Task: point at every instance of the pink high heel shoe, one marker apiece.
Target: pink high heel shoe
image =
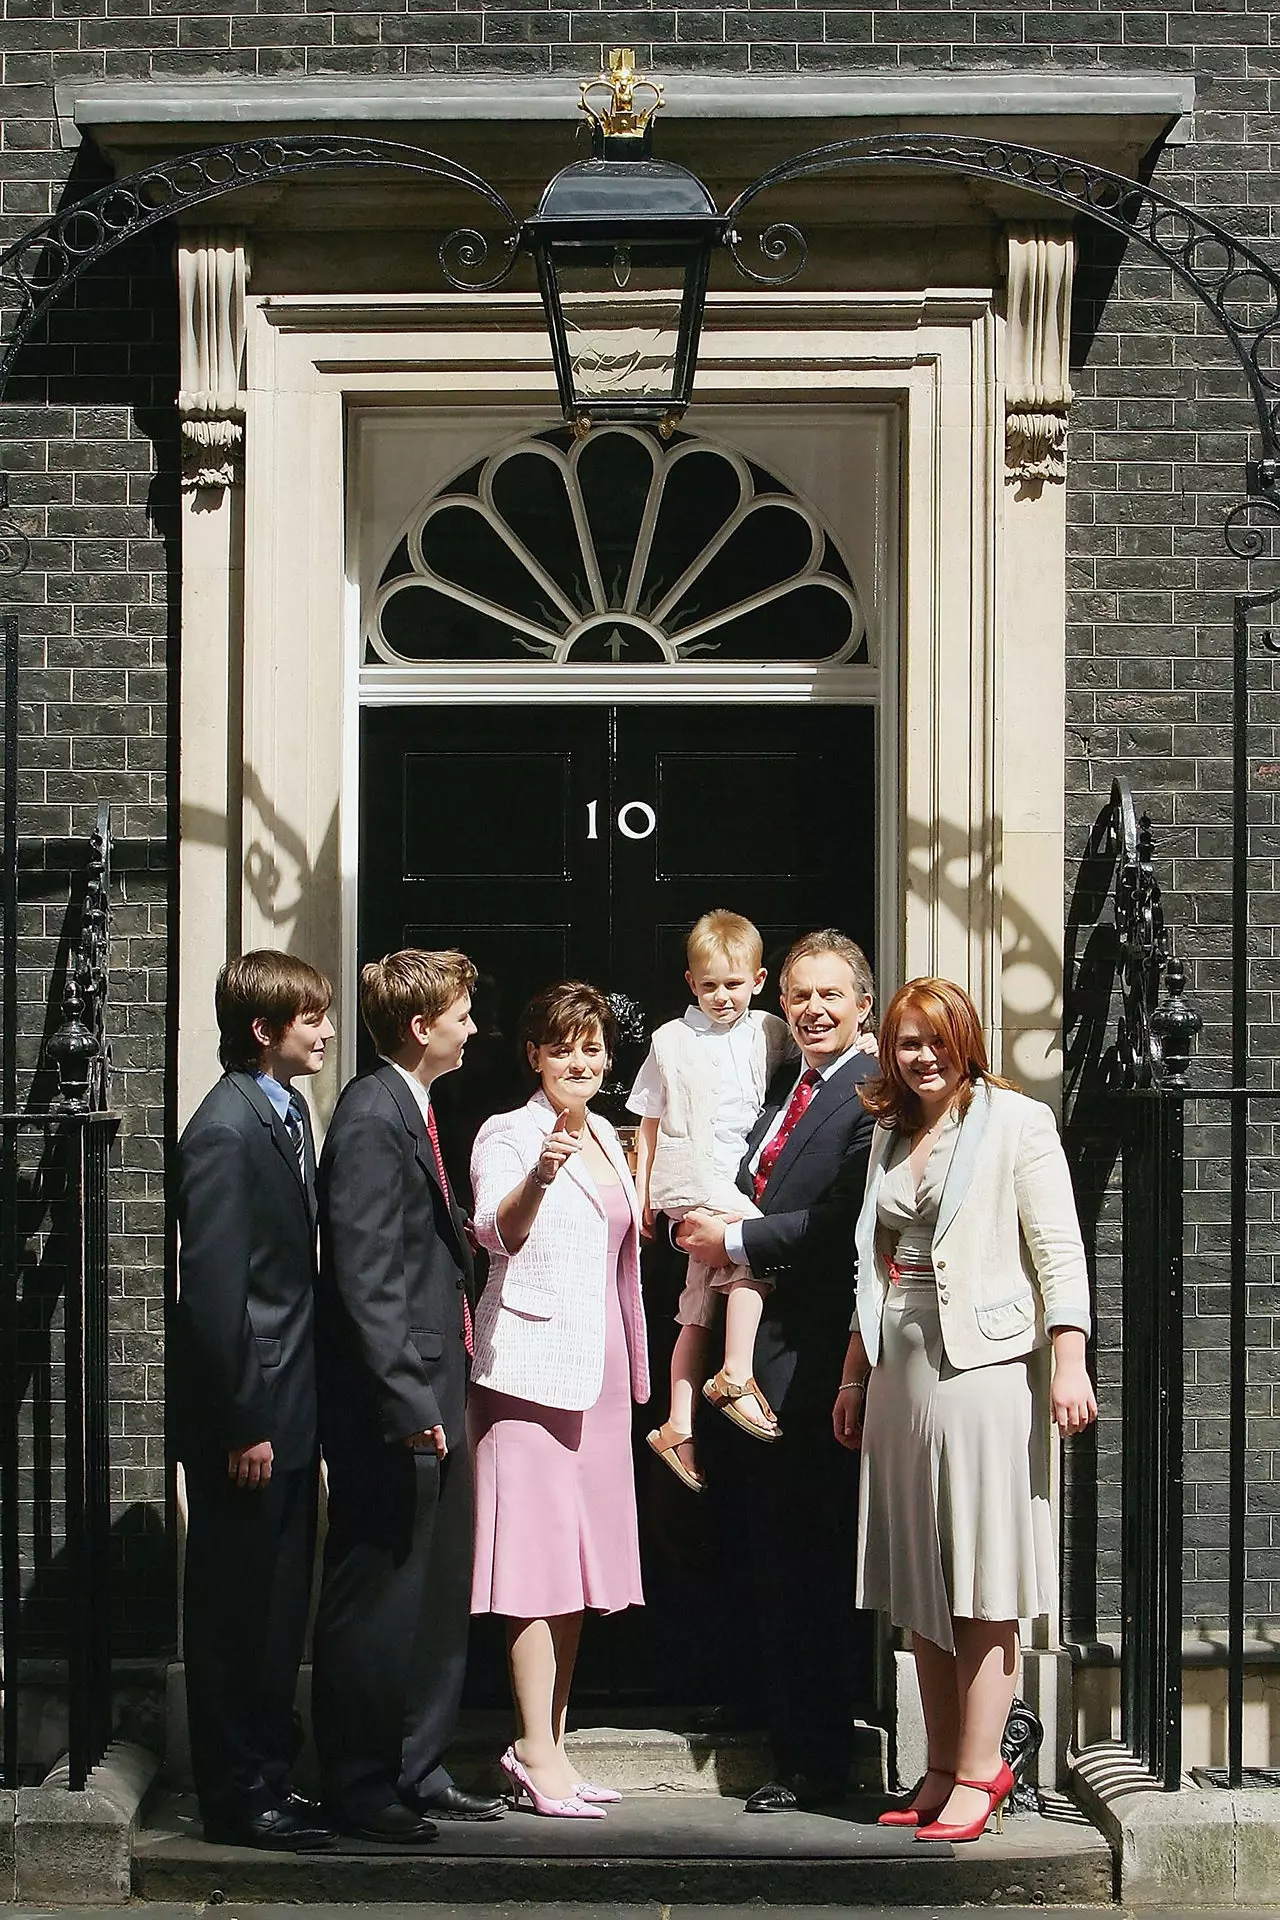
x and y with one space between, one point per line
597 1796
522 1788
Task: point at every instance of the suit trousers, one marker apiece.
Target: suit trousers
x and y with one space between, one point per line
390 1642
246 1588
796 1505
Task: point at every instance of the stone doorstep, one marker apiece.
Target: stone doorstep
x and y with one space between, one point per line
1199 1847
656 1846
695 1757
75 1849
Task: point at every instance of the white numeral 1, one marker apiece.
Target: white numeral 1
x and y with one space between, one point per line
592 833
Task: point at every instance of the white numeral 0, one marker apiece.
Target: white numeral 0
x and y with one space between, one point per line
647 815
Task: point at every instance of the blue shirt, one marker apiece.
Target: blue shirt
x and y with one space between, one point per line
278 1096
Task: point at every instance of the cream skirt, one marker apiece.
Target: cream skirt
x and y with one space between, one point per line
954 1516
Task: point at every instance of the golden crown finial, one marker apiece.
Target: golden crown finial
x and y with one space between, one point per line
618 116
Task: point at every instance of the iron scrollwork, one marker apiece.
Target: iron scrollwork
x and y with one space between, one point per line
79 1048
38 269
783 246
1154 1038
1240 288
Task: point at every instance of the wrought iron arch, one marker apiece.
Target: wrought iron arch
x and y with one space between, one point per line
1239 288
49 258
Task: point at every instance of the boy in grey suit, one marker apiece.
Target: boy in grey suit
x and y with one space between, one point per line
242 1391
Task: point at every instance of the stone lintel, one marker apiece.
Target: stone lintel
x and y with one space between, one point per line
1117 112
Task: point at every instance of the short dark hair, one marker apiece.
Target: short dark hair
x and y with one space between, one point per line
559 1015
273 987
831 940
400 985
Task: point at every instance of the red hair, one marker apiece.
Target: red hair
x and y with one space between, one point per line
953 1020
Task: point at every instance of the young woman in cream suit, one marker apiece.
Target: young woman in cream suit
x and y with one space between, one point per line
559 1355
970 1263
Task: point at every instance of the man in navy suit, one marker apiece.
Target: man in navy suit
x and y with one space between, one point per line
242 1398
393 1325
806 1166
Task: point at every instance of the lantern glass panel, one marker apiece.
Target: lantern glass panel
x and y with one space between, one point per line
622 326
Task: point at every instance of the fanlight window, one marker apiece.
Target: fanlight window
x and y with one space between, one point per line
617 547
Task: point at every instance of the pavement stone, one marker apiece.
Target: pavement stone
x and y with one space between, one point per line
678 1850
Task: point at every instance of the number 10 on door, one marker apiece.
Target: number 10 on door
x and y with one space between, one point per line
636 820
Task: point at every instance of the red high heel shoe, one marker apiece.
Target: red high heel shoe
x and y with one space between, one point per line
909 1816
997 1792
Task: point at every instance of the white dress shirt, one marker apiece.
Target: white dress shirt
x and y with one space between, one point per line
737 1108
420 1093
733 1232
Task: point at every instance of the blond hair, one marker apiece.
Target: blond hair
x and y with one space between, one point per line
400 985
721 935
831 940
276 988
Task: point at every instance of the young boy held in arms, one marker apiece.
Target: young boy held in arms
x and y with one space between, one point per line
698 1095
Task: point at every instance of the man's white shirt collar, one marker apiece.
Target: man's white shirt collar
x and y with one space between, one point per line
420 1093
827 1072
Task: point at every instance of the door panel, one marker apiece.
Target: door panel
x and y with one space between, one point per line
551 843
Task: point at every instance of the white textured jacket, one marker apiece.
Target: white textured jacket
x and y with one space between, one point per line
540 1322
1007 1253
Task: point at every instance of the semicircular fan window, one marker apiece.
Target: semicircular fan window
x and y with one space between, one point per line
615 548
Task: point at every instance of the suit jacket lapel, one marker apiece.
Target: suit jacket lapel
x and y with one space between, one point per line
829 1098
608 1142
964 1159
415 1123
882 1140
310 1156
252 1092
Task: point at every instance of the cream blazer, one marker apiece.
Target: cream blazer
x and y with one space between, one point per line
1007 1254
539 1324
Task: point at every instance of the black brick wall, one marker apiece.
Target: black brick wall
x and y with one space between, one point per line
1157 446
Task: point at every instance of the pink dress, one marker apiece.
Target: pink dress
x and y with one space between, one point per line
555 1492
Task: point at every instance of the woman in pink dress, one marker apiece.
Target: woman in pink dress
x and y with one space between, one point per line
559 1355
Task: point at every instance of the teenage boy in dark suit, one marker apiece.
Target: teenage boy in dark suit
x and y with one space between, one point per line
242 1394
393 1329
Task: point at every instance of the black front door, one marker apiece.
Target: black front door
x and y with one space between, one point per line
582 842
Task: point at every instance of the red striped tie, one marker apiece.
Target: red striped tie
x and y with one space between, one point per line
467 1335
806 1088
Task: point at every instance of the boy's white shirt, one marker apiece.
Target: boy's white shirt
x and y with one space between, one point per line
737 1106
705 1086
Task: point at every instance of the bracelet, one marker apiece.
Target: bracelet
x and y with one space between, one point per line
538 1180
854 1386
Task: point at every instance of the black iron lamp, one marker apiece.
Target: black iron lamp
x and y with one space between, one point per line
622 244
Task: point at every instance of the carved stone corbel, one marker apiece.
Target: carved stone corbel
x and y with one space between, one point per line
1038 396
213 276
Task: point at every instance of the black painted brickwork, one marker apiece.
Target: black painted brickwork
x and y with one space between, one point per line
1156 452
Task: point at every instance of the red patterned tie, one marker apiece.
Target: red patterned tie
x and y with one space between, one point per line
467 1335
806 1087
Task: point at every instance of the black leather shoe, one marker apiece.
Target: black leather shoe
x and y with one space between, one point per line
794 1793
451 1803
399 1825
279 1827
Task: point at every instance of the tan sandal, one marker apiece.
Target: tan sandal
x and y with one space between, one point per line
725 1393
666 1443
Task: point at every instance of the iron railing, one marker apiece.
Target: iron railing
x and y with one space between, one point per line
54 1243
1151 1097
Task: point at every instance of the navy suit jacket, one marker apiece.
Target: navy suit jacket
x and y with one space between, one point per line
394 1262
241 1346
803 1241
